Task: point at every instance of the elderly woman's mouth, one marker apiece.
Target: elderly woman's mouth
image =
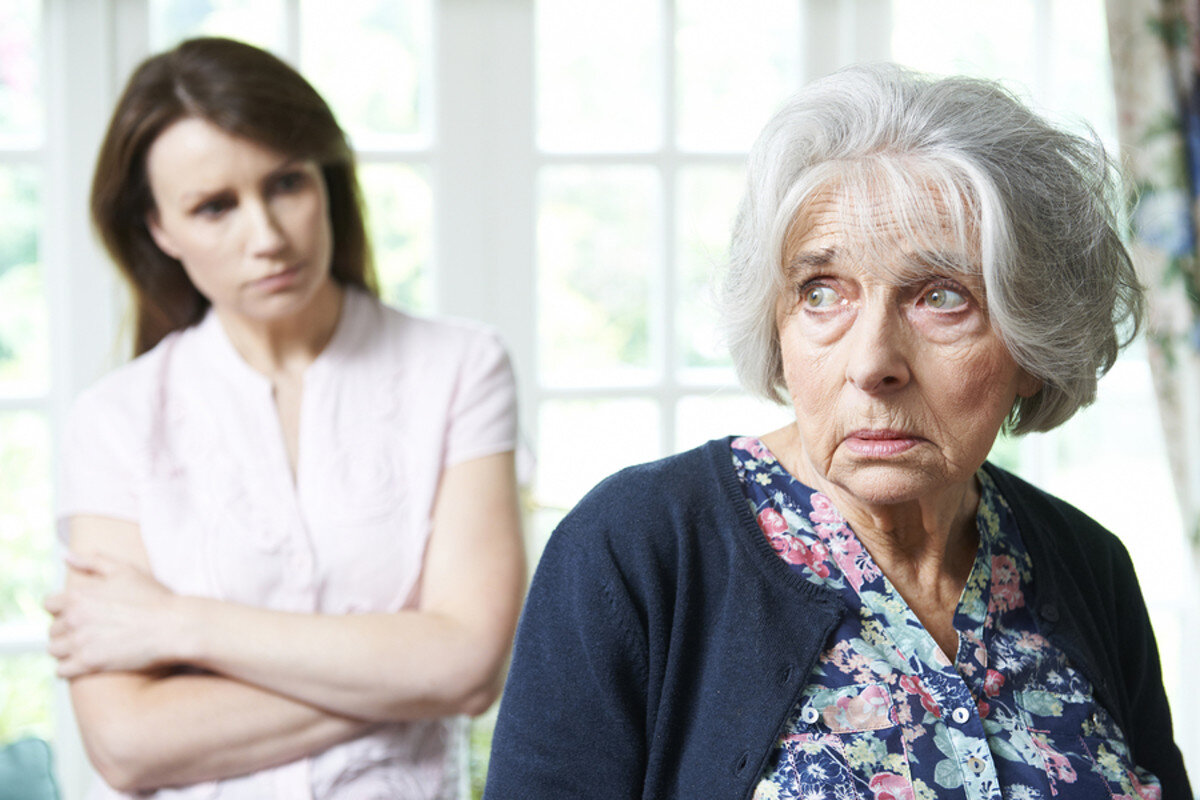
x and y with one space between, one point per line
880 442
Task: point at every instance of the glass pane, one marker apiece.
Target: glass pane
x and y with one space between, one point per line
598 67
26 697
707 202
26 527
20 78
597 261
612 433
381 102
400 208
731 413
24 329
733 69
259 22
1081 69
991 39
1121 435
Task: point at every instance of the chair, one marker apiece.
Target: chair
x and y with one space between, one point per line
27 771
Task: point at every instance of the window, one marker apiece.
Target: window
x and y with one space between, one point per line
26 676
566 170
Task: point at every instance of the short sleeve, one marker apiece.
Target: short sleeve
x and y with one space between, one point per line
483 410
97 466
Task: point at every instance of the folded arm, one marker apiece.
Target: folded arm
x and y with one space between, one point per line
446 657
284 684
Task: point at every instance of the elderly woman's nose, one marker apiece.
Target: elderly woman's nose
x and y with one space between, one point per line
876 359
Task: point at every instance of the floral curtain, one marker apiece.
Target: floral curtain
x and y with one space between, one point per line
1155 47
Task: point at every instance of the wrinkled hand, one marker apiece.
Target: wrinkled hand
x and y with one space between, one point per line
112 617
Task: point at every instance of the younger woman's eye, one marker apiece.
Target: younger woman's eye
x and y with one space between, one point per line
818 296
212 208
290 181
944 298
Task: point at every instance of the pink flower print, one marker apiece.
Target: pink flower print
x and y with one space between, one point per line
753 446
890 786
983 707
1144 792
824 513
793 550
861 568
992 683
772 523
1006 584
912 685
866 711
843 657
1058 768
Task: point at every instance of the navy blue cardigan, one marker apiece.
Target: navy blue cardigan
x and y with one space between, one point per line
645 666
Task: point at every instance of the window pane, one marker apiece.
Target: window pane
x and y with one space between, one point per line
20 81
597 75
706 202
26 527
733 69
597 258
991 38
26 697
581 442
259 22
401 222
24 331
730 413
1081 68
385 100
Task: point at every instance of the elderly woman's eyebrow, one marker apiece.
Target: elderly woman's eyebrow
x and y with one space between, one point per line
938 260
810 259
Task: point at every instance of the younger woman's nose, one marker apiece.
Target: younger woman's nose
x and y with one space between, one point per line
265 234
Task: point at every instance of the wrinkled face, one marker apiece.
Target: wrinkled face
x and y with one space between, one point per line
250 225
898 380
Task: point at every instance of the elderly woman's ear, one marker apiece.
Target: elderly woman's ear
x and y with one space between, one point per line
1029 384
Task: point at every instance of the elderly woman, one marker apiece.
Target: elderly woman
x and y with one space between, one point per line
857 605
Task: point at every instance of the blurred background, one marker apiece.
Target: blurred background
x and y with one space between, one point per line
566 170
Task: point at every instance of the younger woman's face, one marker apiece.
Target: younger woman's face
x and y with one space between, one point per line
249 225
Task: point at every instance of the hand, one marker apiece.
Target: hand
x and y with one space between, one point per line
112 617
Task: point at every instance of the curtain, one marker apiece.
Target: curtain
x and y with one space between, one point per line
1155 46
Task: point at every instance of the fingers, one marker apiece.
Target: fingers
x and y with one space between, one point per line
55 604
58 647
69 668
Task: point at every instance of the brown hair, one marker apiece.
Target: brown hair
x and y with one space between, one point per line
246 92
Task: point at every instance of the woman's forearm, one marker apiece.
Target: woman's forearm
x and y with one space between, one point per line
380 667
146 732
444 658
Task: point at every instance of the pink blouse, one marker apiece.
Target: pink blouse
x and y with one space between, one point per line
185 441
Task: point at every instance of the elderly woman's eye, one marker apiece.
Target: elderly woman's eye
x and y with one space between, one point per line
944 297
818 296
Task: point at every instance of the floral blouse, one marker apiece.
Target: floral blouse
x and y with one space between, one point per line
886 716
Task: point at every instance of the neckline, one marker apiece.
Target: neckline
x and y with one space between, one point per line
216 339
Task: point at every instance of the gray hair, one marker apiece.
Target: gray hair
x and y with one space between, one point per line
1035 204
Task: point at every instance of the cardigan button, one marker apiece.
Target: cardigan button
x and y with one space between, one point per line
1049 613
